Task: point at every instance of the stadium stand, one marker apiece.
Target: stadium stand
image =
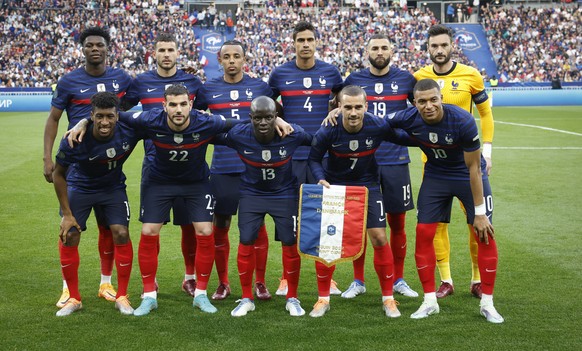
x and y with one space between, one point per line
39 38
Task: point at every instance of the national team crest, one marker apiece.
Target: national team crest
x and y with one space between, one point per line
307 82
379 88
354 145
433 137
234 94
111 152
178 138
394 87
266 155
322 81
283 152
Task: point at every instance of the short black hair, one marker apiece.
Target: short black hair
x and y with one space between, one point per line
425 84
439 29
166 38
95 31
175 90
234 43
379 36
303 26
104 100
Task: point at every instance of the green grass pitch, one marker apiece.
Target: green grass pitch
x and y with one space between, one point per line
537 168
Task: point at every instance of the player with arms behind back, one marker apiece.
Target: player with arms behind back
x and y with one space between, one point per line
461 85
231 96
148 88
305 85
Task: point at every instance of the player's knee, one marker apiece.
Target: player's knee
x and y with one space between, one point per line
120 234
72 238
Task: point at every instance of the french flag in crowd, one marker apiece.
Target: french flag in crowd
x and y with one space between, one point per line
204 61
332 222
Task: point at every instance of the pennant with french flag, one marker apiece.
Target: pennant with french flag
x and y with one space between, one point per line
332 222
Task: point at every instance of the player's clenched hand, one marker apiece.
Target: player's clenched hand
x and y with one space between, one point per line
68 222
76 134
483 228
283 128
324 183
331 117
49 167
489 164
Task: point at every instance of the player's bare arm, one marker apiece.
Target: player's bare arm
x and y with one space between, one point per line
50 133
481 223
68 221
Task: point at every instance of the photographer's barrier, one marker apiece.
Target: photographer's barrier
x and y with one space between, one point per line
40 101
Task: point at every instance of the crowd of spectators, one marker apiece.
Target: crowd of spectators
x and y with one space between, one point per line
535 44
39 39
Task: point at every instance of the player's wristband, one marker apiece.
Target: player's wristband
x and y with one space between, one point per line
480 210
487 148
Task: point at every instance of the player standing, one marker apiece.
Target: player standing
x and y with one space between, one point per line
387 88
351 145
460 85
268 186
73 94
448 136
148 88
96 180
305 86
231 96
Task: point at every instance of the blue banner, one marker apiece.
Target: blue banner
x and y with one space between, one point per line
209 46
471 38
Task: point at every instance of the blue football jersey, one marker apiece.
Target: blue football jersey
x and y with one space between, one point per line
305 95
98 164
231 100
149 87
443 143
268 170
75 89
351 155
180 157
386 94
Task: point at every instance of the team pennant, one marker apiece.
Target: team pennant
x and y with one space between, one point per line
332 222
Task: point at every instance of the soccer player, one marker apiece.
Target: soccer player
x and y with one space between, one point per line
231 96
305 86
148 88
268 186
387 88
448 136
179 170
460 85
351 145
96 180
73 94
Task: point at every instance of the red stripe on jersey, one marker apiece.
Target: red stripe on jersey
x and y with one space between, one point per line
388 98
355 154
306 92
185 146
263 164
88 101
229 105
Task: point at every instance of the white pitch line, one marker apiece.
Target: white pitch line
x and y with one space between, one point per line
540 127
537 148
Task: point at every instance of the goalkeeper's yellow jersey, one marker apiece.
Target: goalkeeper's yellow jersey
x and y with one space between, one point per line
461 86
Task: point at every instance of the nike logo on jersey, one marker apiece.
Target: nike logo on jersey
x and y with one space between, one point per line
336 145
92 158
160 135
84 90
287 82
247 152
215 96
416 133
150 90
